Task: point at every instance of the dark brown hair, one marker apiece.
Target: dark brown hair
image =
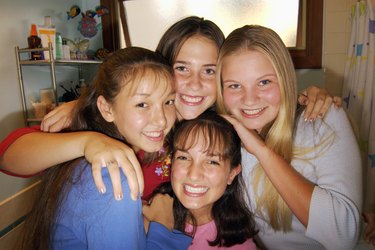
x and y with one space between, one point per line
234 221
173 39
125 66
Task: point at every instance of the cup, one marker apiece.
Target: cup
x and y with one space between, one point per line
40 109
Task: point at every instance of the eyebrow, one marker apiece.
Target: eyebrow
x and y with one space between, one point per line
206 65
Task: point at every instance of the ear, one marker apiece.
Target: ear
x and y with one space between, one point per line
233 173
105 109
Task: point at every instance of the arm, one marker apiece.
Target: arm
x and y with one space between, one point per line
292 186
326 192
41 150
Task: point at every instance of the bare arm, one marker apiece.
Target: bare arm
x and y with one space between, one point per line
35 152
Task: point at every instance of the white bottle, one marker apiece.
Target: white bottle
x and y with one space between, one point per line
65 50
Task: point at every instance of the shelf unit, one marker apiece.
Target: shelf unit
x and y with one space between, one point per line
51 63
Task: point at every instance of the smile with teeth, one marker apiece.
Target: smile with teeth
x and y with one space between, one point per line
154 135
252 111
195 190
192 99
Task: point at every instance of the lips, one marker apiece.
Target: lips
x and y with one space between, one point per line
191 100
195 190
156 136
252 113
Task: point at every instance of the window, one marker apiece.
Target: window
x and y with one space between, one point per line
306 54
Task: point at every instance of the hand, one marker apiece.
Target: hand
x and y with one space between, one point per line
103 151
59 118
250 139
317 102
160 210
370 228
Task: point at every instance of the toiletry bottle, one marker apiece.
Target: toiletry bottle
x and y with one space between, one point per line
59 49
35 42
66 50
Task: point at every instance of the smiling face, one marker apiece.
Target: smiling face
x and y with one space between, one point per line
250 88
145 114
200 177
194 69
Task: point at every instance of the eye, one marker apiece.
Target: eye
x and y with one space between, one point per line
234 86
181 158
213 162
142 105
264 82
181 68
210 71
170 102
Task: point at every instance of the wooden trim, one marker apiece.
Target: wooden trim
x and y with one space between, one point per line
311 56
18 205
110 26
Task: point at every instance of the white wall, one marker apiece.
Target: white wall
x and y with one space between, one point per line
15 21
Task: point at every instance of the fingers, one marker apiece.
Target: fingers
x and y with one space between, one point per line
59 118
96 168
337 100
114 173
318 102
369 234
133 172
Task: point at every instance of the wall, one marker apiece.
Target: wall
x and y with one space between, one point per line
16 19
337 29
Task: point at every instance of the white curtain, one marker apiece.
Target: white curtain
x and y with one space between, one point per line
359 90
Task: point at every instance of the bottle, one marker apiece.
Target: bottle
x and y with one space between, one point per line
66 50
35 42
59 49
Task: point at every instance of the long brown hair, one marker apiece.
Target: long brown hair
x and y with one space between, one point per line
125 66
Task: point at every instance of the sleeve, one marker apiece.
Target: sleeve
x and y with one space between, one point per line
334 218
12 137
159 237
98 221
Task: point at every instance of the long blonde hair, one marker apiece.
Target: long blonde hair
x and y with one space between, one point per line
278 135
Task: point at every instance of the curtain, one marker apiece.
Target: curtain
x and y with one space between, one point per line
359 90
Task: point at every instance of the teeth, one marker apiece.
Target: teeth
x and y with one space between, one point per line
253 111
153 134
197 190
191 99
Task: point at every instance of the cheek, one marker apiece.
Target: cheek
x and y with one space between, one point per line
272 96
178 82
230 99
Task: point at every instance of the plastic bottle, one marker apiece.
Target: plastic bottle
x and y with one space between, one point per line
66 50
59 48
35 42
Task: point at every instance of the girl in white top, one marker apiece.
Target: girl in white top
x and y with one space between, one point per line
304 178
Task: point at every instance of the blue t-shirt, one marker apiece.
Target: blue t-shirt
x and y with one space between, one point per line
87 219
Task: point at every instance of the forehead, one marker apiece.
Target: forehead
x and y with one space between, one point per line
149 81
206 140
198 46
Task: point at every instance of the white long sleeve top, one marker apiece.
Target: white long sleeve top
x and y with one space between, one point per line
334 215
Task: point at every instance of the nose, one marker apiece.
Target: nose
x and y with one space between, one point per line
159 118
250 95
194 81
195 171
